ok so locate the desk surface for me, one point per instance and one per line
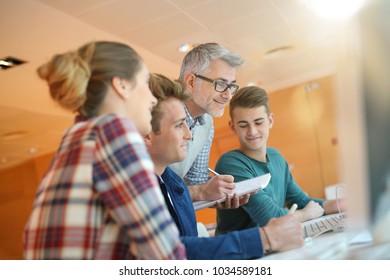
(337, 245)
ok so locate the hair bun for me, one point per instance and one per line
(67, 76)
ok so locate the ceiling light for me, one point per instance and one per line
(9, 62)
(186, 47)
(276, 52)
(334, 9)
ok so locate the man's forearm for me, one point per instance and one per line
(196, 192)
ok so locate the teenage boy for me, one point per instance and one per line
(251, 120)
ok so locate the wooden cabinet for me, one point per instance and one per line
(305, 132)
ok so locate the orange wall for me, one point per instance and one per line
(305, 132)
(17, 191)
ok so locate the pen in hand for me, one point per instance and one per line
(293, 208)
(212, 171)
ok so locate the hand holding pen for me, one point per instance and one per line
(231, 202)
(212, 171)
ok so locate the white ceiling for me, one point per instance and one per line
(34, 30)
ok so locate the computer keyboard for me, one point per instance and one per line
(332, 222)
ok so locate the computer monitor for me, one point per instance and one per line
(375, 23)
(364, 110)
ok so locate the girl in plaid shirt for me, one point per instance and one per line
(100, 198)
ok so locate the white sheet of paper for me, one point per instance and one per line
(243, 187)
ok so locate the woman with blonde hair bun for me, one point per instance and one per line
(100, 198)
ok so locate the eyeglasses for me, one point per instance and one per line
(219, 86)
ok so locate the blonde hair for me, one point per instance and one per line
(78, 80)
(164, 88)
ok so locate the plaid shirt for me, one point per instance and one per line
(100, 199)
(198, 173)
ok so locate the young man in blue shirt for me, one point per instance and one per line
(166, 144)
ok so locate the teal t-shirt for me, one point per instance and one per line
(281, 192)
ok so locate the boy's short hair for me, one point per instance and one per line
(164, 88)
(249, 97)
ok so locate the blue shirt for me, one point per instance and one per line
(245, 244)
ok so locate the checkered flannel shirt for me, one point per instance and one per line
(100, 199)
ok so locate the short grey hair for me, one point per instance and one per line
(200, 57)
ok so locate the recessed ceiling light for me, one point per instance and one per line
(9, 62)
(249, 84)
(186, 47)
(276, 52)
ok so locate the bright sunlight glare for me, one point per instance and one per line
(334, 9)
